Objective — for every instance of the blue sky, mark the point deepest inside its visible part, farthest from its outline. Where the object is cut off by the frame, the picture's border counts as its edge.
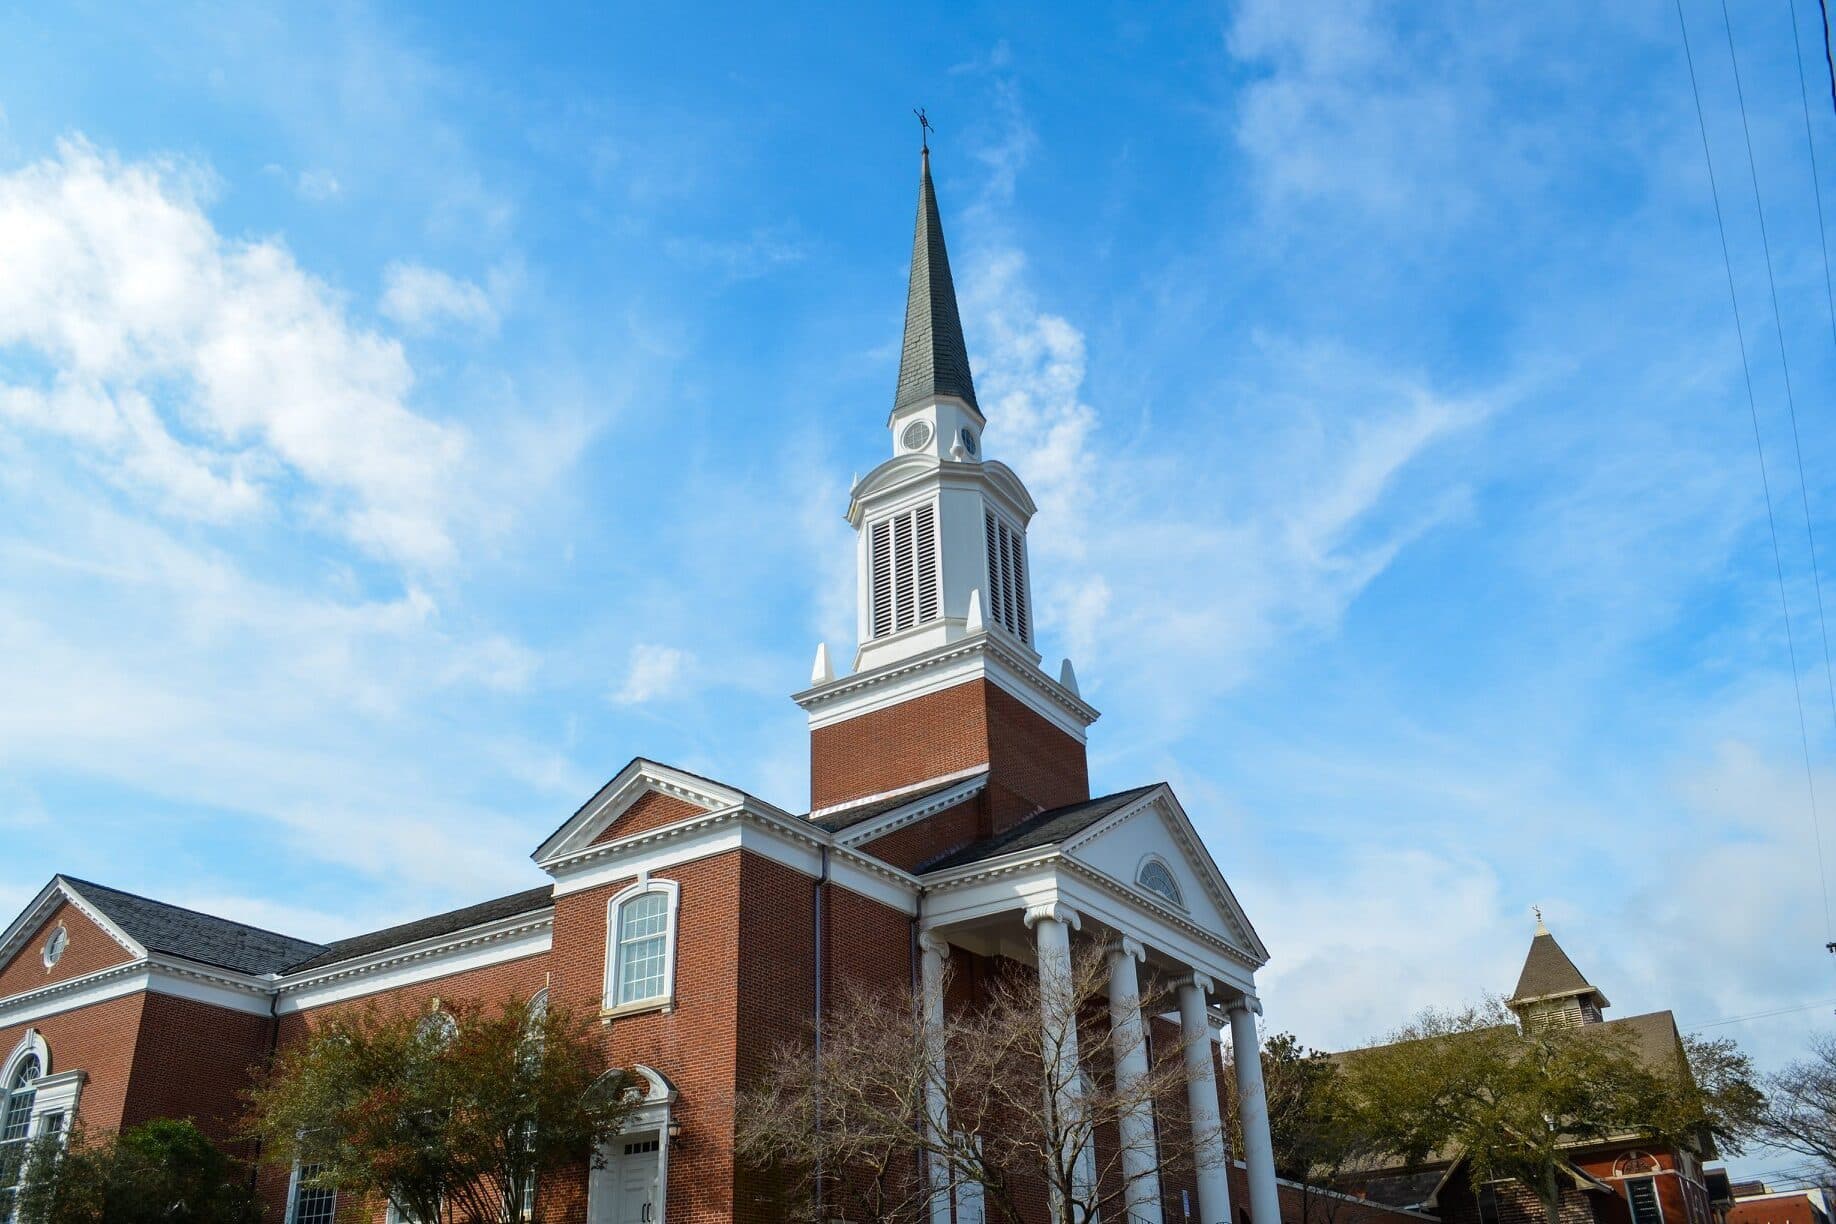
(407, 416)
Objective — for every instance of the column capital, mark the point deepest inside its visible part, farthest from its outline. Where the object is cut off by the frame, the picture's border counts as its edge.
(933, 944)
(1057, 911)
(1203, 982)
(1129, 947)
(1245, 1003)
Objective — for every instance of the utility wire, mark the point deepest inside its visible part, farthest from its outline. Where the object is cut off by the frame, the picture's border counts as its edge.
(1829, 60)
(1763, 1015)
(1829, 297)
(1778, 563)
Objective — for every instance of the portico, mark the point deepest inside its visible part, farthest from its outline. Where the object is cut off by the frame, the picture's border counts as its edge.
(1127, 878)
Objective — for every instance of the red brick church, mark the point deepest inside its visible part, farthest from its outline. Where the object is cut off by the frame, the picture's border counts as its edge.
(950, 819)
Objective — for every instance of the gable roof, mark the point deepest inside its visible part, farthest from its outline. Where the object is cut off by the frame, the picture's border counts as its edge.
(1046, 828)
(837, 819)
(1548, 973)
(640, 777)
(194, 936)
(526, 902)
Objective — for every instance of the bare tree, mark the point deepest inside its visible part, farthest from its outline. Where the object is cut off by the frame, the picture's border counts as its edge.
(1800, 1114)
(857, 1123)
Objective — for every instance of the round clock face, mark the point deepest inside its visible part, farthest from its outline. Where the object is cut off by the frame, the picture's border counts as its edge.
(54, 946)
(968, 441)
(916, 434)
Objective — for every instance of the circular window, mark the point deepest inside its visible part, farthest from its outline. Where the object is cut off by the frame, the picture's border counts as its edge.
(55, 945)
(916, 434)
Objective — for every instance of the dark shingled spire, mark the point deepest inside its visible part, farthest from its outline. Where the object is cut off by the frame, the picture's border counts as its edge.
(935, 361)
(1548, 971)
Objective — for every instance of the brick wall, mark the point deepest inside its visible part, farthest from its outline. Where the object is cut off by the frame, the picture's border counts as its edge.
(650, 811)
(90, 948)
(98, 1039)
(926, 737)
(927, 840)
(1031, 763)
(192, 1060)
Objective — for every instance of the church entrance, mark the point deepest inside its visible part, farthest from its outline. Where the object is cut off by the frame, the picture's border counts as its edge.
(626, 1190)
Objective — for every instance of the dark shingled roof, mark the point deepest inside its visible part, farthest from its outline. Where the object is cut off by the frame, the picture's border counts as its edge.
(1548, 971)
(1042, 829)
(934, 361)
(848, 817)
(525, 902)
(204, 938)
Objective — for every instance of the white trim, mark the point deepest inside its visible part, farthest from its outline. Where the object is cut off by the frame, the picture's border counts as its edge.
(633, 782)
(31, 1045)
(785, 839)
(910, 788)
(993, 655)
(491, 943)
(665, 998)
(34, 916)
(1178, 899)
(910, 813)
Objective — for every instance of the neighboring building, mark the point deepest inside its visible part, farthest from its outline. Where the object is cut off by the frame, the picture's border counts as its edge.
(950, 820)
(1626, 1180)
(1756, 1203)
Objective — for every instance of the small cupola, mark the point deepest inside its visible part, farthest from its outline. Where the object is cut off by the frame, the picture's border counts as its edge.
(1551, 992)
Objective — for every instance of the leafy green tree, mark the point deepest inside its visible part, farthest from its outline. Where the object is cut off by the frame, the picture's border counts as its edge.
(1513, 1103)
(455, 1113)
(160, 1172)
(1314, 1126)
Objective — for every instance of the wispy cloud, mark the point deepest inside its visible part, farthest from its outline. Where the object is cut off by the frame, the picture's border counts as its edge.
(199, 368)
(422, 299)
(654, 671)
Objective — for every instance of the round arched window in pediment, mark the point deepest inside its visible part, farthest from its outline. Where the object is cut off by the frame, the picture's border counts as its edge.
(55, 943)
(1158, 878)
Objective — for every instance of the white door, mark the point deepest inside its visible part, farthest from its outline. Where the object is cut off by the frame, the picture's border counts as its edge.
(625, 1191)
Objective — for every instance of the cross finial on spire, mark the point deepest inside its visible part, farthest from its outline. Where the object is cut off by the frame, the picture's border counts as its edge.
(1540, 928)
(924, 130)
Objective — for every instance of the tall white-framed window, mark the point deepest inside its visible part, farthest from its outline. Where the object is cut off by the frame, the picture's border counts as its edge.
(1008, 604)
(903, 570)
(308, 1204)
(1642, 1198)
(641, 946)
(21, 1093)
(532, 1052)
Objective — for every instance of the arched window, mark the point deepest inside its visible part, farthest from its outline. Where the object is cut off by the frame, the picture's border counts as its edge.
(640, 951)
(16, 1128)
(1157, 877)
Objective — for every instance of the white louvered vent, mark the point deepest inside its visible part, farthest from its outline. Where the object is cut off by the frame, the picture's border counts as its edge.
(902, 570)
(1007, 578)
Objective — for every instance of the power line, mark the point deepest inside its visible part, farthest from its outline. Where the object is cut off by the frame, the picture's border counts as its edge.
(1829, 59)
(1727, 262)
(1791, 410)
(1829, 297)
(1777, 1011)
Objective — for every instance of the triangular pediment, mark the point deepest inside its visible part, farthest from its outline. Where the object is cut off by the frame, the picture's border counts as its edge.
(599, 816)
(58, 903)
(1153, 835)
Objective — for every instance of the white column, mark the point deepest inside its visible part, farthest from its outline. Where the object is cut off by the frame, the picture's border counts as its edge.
(1052, 926)
(932, 953)
(1253, 1108)
(1202, 1103)
(1140, 1160)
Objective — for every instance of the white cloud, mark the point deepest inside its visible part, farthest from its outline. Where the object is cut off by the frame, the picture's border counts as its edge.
(654, 671)
(202, 371)
(318, 185)
(422, 299)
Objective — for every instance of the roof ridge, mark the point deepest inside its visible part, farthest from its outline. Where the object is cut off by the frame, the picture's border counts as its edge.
(183, 909)
(548, 888)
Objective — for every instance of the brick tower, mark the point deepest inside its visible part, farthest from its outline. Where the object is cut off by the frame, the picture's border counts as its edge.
(946, 683)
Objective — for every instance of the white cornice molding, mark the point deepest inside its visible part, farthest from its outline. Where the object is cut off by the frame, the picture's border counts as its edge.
(60, 891)
(904, 475)
(910, 788)
(633, 782)
(899, 817)
(993, 655)
(434, 949)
